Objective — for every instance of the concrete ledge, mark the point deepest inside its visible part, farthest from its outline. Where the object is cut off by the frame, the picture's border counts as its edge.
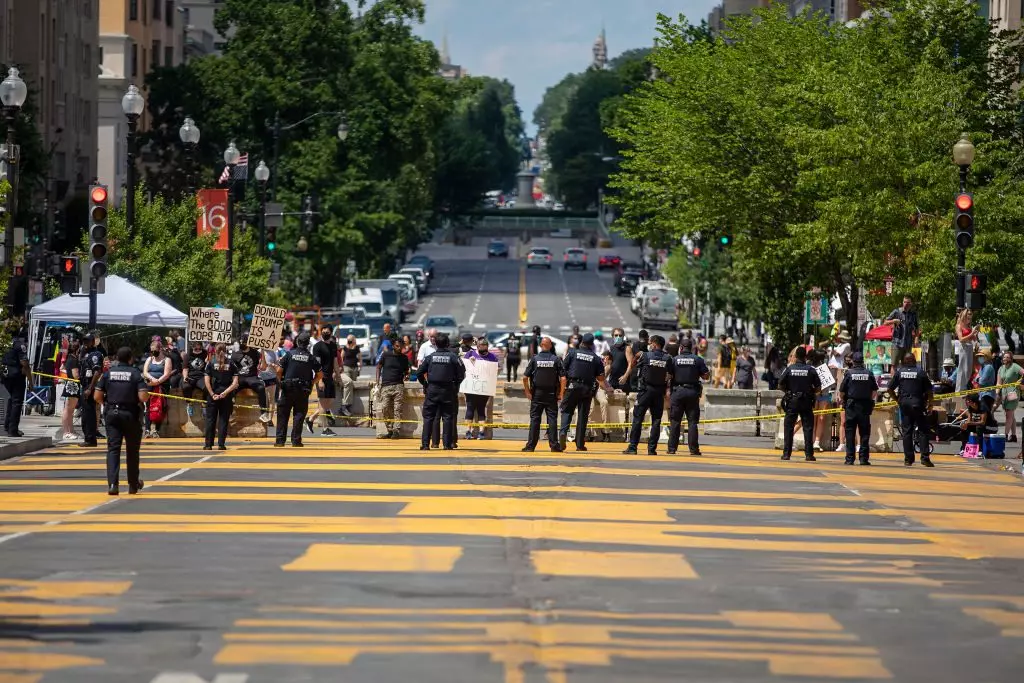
(730, 403)
(12, 448)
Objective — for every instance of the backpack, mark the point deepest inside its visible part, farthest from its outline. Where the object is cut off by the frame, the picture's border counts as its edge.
(157, 406)
(726, 357)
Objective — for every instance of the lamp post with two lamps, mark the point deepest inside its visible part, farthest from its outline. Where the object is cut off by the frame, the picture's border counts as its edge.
(189, 134)
(132, 104)
(13, 93)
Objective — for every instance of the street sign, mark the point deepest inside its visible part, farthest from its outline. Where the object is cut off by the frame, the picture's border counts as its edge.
(815, 311)
(889, 279)
(273, 217)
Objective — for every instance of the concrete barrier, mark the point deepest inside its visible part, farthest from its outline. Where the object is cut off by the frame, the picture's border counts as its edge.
(516, 409)
(244, 422)
(769, 404)
(728, 403)
(881, 432)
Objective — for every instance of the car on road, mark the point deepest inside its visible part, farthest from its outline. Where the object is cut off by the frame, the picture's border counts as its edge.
(497, 249)
(635, 266)
(559, 206)
(641, 290)
(627, 281)
(362, 335)
(497, 341)
(660, 307)
(539, 256)
(424, 262)
(444, 324)
(420, 275)
(574, 257)
(606, 261)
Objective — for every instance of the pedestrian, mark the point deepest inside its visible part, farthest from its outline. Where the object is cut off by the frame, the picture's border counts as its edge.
(723, 364)
(801, 383)
(268, 375)
(967, 335)
(533, 343)
(1009, 397)
(428, 347)
(193, 375)
(124, 389)
(476, 404)
(822, 402)
(584, 370)
(975, 419)
(600, 345)
(384, 342)
(392, 372)
(221, 380)
(947, 376)
(744, 370)
(72, 389)
(465, 344)
(599, 406)
(326, 350)
(636, 348)
(621, 355)
(652, 369)
(249, 362)
(913, 389)
(772, 366)
(542, 383)
(172, 352)
(351, 366)
(672, 345)
(986, 377)
(440, 373)
(687, 371)
(857, 394)
(156, 370)
(177, 341)
(16, 372)
(299, 371)
(905, 329)
(513, 357)
(92, 364)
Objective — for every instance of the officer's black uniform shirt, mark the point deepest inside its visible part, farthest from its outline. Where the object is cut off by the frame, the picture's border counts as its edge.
(300, 365)
(913, 384)
(92, 364)
(221, 376)
(858, 384)
(13, 360)
(393, 368)
(121, 385)
(583, 365)
(327, 352)
(687, 370)
(544, 370)
(653, 368)
(247, 362)
(800, 378)
(196, 363)
(350, 356)
(441, 367)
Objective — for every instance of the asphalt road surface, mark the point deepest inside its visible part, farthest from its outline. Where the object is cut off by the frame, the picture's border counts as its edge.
(369, 561)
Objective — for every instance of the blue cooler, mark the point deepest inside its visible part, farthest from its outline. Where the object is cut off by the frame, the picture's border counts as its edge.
(994, 446)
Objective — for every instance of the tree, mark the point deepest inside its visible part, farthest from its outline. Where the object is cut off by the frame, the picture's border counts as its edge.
(548, 114)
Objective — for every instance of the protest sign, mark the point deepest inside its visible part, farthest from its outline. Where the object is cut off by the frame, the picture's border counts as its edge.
(209, 325)
(825, 375)
(267, 325)
(481, 378)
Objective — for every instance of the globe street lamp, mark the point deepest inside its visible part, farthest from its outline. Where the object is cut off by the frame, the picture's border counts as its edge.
(963, 156)
(13, 93)
(262, 176)
(189, 134)
(132, 105)
(343, 130)
(231, 156)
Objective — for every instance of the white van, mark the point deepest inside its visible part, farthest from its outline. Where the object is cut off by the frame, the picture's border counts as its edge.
(370, 300)
(660, 307)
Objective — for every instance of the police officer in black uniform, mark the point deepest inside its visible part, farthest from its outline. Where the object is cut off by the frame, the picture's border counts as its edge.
(298, 371)
(857, 395)
(124, 390)
(652, 369)
(584, 369)
(542, 382)
(15, 372)
(91, 369)
(801, 383)
(440, 373)
(688, 369)
(913, 388)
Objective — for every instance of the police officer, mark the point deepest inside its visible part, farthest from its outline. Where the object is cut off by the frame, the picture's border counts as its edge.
(15, 372)
(583, 370)
(542, 382)
(688, 369)
(801, 383)
(125, 390)
(440, 373)
(92, 368)
(652, 369)
(914, 390)
(857, 395)
(298, 371)
(636, 348)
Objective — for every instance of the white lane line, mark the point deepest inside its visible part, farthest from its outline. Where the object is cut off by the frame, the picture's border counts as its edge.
(613, 300)
(480, 294)
(568, 299)
(109, 501)
(430, 302)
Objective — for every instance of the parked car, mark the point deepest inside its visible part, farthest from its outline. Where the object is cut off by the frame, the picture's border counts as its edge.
(574, 257)
(539, 256)
(497, 341)
(497, 249)
(660, 306)
(606, 261)
(420, 275)
(626, 282)
(559, 206)
(444, 324)
(641, 290)
(424, 262)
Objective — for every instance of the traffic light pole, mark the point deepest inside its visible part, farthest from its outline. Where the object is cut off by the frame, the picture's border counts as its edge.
(229, 252)
(92, 303)
(961, 254)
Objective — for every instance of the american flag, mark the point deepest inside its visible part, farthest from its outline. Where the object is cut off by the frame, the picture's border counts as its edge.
(241, 170)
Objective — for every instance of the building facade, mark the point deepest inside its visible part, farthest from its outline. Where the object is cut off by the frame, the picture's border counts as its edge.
(201, 38)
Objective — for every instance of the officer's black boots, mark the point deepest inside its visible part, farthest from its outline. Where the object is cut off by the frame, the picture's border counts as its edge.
(563, 441)
(136, 487)
(113, 490)
(785, 457)
(849, 461)
(810, 458)
(629, 451)
(927, 461)
(527, 449)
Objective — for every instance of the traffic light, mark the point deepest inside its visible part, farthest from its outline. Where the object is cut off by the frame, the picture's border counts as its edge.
(271, 238)
(974, 291)
(724, 242)
(70, 276)
(696, 252)
(98, 232)
(964, 220)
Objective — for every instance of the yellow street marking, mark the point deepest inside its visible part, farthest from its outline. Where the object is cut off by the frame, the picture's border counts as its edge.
(612, 565)
(20, 678)
(43, 661)
(61, 590)
(1012, 623)
(947, 503)
(1014, 600)
(967, 521)
(32, 609)
(327, 557)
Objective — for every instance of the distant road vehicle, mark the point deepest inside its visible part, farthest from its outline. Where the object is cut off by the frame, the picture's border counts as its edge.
(418, 273)
(574, 257)
(606, 261)
(362, 335)
(444, 324)
(627, 281)
(539, 256)
(424, 262)
(497, 249)
(660, 307)
(497, 340)
(559, 206)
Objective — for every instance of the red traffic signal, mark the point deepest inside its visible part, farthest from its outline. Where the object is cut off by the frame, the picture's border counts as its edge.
(696, 252)
(99, 194)
(70, 265)
(964, 201)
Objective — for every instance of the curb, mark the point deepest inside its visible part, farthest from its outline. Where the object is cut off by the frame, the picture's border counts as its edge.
(24, 446)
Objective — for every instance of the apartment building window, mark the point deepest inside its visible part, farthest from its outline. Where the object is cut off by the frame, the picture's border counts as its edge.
(135, 60)
(133, 10)
(168, 55)
(155, 52)
(169, 12)
(157, 4)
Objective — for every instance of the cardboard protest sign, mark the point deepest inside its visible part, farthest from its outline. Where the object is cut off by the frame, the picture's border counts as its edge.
(481, 378)
(266, 328)
(825, 375)
(209, 325)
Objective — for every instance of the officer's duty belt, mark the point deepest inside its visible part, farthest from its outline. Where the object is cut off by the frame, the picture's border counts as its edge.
(123, 406)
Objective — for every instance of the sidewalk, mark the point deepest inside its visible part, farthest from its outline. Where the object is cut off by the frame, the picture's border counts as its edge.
(39, 432)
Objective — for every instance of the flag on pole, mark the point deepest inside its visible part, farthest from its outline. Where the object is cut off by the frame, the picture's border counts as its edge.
(225, 176)
(241, 170)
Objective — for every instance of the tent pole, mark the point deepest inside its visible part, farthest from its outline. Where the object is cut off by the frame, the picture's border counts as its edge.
(92, 304)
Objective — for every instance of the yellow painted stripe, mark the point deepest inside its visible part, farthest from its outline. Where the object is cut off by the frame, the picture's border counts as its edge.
(611, 565)
(329, 557)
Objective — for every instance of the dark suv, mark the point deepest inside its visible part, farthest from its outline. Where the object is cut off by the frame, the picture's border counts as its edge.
(626, 282)
(497, 250)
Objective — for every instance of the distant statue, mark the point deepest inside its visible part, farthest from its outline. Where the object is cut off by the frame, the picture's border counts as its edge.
(527, 155)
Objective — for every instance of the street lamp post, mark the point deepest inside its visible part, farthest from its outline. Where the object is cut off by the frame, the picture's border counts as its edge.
(189, 134)
(262, 176)
(231, 155)
(132, 105)
(13, 93)
(342, 132)
(963, 156)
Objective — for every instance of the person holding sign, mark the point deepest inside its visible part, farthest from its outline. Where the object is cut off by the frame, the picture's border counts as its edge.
(249, 362)
(221, 382)
(476, 404)
(857, 396)
(298, 371)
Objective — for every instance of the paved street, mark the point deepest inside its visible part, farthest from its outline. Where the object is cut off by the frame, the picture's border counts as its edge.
(358, 560)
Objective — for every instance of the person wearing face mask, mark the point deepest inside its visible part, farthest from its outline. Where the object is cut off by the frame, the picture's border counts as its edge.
(326, 350)
(156, 371)
(476, 404)
(222, 381)
(249, 362)
(194, 374)
(621, 355)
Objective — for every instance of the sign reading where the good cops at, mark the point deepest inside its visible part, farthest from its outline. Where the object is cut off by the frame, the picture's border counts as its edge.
(267, 326)
(209, 325)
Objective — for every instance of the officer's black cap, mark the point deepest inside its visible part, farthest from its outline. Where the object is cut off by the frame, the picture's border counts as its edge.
(302, 339)
(588, 338)
(467, 336)
(858, 357)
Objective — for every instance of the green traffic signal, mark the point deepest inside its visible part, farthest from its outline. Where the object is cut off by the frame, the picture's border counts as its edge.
(724, 239)
(271, 246)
